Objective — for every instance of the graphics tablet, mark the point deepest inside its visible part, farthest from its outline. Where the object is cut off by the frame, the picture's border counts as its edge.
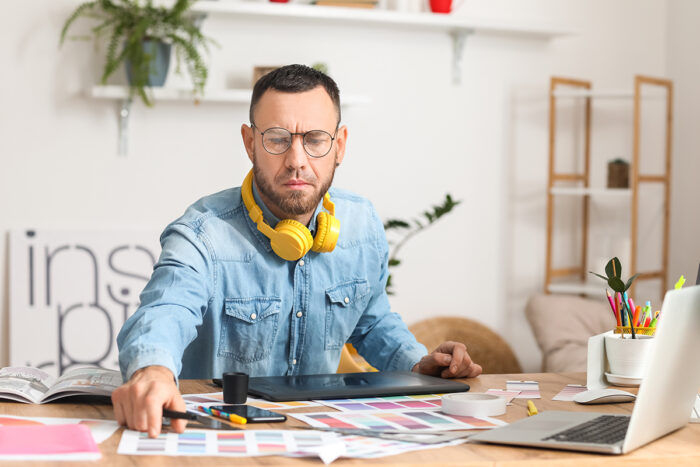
(349, 385)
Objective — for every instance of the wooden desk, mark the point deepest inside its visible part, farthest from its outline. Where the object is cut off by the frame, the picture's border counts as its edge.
(681, 448)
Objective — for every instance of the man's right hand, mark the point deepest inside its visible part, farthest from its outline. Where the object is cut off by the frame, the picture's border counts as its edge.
(139, 402)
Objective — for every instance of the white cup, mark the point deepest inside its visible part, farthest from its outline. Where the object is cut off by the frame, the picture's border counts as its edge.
(628, 357)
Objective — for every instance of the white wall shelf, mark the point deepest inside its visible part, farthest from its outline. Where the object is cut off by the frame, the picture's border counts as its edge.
(604, 93)
(577, 288)
(230, 96)
(457, 26)
(586, 191)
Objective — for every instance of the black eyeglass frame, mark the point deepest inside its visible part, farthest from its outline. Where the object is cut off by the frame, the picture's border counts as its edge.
(303, 139)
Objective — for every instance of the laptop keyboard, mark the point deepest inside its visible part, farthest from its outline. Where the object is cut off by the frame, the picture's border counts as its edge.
(606, 429)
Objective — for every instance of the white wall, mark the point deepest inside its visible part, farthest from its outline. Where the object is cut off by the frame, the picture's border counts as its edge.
(683, 63)
(484, 141)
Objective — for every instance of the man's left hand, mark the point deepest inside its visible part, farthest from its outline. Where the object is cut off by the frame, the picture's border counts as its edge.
(448, 360)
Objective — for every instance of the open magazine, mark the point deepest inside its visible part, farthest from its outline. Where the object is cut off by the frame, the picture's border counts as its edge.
(31, 385)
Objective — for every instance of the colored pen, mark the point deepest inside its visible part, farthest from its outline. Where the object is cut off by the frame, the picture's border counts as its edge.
(631, 304)
(531, 409)
(679, 284)
(226, 416)
(612, 305)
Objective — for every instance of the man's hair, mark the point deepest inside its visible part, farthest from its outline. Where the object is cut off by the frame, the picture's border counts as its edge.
(295, 78)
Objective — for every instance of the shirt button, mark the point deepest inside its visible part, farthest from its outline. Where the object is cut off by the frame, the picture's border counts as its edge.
(299, 314)
(294, 362)
(347, 299)
(301, 262)
(253, 316)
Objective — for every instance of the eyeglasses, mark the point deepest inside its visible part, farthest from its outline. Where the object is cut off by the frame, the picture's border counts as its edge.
(317, 143)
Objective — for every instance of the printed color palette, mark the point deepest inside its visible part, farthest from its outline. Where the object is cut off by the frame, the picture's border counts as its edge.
(217, 398)
(528, 389)
(395, 420)
(568, 393)
(226, 443)
(421, 401)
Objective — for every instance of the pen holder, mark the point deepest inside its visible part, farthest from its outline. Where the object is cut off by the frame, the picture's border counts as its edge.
(235, 388)
(648, 331)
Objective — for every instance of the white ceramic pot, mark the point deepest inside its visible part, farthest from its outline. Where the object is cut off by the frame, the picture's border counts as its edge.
(628, 357)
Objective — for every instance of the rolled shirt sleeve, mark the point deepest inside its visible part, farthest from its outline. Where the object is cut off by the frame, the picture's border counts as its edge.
(173, 304)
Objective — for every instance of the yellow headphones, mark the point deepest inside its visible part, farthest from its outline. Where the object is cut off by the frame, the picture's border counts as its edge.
(291, 239)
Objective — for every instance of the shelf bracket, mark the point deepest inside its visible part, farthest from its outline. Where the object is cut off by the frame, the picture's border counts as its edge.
(459, 37)
(124, 113)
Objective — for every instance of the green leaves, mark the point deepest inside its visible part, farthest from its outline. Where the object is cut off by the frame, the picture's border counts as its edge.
(613, 276)
(128, 23)
(613, 268)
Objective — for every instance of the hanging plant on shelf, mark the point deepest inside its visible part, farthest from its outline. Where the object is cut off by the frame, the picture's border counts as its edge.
(141, 35)
(409, 228)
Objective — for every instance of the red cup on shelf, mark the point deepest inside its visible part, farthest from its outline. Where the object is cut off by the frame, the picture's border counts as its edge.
(279, 1)
(441, 6)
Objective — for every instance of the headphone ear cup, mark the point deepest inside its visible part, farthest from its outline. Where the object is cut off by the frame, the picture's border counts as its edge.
(292, 240)
(327, 232)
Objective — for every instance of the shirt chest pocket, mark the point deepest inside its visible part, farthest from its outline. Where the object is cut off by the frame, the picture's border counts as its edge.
(345, 303)
(248, 328)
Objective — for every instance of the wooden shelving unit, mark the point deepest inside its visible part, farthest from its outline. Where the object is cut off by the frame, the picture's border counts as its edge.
(573, 88)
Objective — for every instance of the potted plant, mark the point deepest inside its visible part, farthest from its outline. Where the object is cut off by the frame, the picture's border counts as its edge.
(140, 35)
(627, 358)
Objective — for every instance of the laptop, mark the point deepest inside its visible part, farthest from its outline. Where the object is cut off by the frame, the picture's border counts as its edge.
(665, 399)
(349, 385)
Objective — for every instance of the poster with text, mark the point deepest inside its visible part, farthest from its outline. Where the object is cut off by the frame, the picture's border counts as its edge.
(71, 291)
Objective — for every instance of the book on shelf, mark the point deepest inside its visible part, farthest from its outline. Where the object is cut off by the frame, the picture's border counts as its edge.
(34, 386)
(347, 3)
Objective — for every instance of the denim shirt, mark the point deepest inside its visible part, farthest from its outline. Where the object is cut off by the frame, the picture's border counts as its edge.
(220, 299)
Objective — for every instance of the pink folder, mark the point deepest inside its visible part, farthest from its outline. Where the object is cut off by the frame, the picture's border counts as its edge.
(73, 441)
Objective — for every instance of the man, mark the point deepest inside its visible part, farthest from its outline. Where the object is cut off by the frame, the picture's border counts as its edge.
(230, 293)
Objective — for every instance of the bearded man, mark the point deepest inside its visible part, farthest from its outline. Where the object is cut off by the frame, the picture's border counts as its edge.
(263, 279)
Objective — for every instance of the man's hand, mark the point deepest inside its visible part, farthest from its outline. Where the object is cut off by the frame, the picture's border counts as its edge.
(139, 402)
(448, 360)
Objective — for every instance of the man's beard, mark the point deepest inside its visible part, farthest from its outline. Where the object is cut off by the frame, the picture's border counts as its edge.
(296, 203)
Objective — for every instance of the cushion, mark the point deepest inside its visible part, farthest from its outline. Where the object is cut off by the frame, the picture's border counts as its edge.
(562, 325)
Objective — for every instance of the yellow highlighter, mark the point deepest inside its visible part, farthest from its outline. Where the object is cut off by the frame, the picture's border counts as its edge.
(237, 419)
(531, 409)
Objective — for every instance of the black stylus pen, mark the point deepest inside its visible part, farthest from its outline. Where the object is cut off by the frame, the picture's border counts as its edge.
(175, 414)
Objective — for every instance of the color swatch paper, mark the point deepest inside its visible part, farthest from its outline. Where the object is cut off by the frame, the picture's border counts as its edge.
(422, 402)
(100, 429)
(47, 442)
(569, 391)
(395, 420)
(217, 398)
(244, 443)
(528, 389)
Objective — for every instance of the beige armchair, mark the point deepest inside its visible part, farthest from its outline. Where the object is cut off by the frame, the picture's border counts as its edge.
(562, 325)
